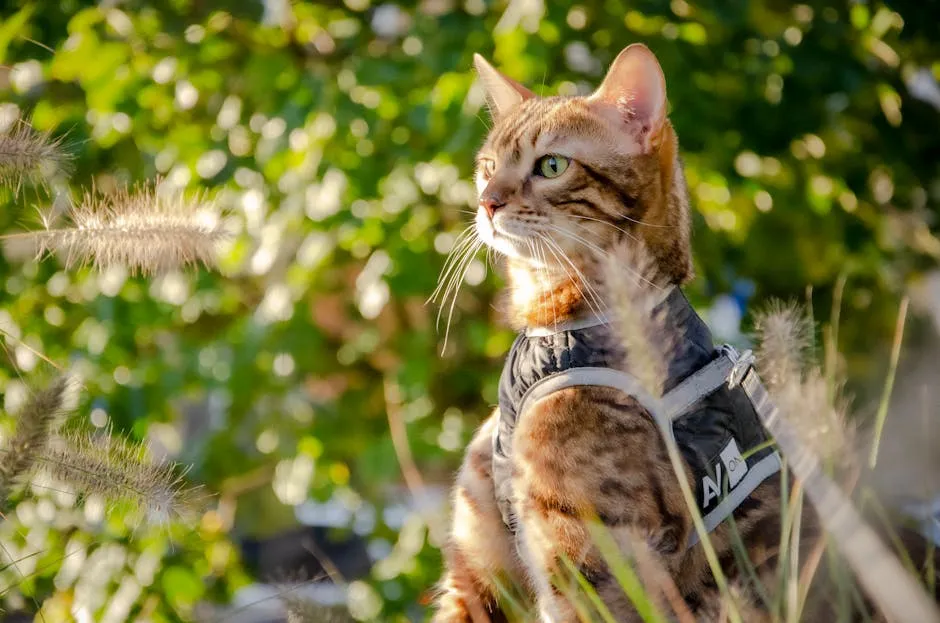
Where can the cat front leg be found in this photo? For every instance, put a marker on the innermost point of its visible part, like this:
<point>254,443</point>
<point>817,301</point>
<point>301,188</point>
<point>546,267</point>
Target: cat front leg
<point>585,454</point>
<point>480,552</point>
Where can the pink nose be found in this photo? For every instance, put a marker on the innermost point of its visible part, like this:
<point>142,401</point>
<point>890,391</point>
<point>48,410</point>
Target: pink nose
<point>491,201</point>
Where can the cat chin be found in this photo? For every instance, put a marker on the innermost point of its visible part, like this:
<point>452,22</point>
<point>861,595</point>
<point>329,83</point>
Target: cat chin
<point>495,240</point>
<point>502,244</point>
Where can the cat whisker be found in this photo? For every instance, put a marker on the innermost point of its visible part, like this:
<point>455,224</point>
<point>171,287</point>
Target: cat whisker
<point>587,283</point>
<point>643,223</point>
<point>464,239</point>
<point>593,301</point>
<point>603,254</point>
<point>540,252</point>
<point>454,283</point>
<point>455,275</point>
<point>603,222</point>
<point>599,251</point>
<point>450,272</point>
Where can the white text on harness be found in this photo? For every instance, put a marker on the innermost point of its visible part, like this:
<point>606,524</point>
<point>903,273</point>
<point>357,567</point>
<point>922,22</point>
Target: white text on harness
<point>734,466</point>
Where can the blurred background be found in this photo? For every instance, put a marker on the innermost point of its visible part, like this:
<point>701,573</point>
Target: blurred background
<point>304,382</point>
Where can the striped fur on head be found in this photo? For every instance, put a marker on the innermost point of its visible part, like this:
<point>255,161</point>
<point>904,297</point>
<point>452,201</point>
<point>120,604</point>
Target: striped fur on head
<point>623,183</point>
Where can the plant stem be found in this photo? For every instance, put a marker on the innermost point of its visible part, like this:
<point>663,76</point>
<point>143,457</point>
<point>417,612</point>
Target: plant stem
<point>882,414</point>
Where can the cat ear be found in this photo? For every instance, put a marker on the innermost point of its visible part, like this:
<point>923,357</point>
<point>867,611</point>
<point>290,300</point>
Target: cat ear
<point>502,93</point>
<point>634,89</point>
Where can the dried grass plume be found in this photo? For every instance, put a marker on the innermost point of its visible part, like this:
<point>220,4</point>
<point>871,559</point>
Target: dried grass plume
<point>812,403</point>
<point>27,155</point>
<point>148,230</point>
<point>630,285</point>
<point>785,338</point>
<point>807,421</point>
<point>117,469</point>
<point>35,424</point>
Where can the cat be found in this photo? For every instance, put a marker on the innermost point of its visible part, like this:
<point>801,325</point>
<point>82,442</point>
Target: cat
<point>563,182</point>
<point>561,179</point>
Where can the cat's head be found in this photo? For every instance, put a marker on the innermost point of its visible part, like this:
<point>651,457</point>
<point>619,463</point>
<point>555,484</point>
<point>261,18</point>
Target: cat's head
<point>562,179</point>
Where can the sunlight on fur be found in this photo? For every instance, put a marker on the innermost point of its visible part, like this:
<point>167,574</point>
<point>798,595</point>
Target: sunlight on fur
<point>579,489</point>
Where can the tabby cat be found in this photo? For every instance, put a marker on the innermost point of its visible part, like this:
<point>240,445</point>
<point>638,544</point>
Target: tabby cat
<point>562,180</point>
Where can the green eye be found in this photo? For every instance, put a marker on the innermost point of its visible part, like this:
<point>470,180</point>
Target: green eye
<point>551,166</point>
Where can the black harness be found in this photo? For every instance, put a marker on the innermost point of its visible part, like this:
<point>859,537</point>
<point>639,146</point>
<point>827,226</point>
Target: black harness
<point>705,408</point>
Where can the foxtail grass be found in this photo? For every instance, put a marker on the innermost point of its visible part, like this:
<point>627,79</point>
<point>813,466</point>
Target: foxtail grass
<point>642,330</point>
<point>785,341</point>
<point>29,156</point>
<point>302,610</point>
<point>35,424</point>
<point>145,230</point>
<point>811,399</point>
<point>809,430</point>
<point>649,342</point>
<point>117,469</point>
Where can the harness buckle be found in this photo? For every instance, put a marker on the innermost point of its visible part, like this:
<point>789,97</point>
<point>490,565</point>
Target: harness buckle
<point>741,363</point>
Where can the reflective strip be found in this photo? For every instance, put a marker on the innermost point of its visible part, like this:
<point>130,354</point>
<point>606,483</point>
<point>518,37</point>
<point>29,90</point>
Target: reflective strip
<point>756,474</point>
<point>755,390</point>
<point>571,325</point>
<point>594,320</point>
<point>696,387</point>
<point>666,410</point>
<point>605,377</point>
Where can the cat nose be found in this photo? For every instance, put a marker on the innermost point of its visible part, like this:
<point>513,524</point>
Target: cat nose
<point>492,200</point>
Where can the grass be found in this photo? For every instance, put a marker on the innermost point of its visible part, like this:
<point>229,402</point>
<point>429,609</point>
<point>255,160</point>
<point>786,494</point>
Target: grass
<point>148,230</point>
<point>144,230</point>
<point>882,415</point>
<point>30,157</point>
<point>855,574</point>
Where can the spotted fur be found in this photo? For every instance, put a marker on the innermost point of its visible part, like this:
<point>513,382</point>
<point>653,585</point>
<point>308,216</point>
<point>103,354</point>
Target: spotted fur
<point>587,452</point>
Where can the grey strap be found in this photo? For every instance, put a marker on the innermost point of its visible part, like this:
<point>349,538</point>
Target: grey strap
<point>571,325</point>
<point>766,467</point>
<point>664,410</point>
<point>755,390</point>
<point>595,319</point>
<point>696,387</point>
<point>605,377</point>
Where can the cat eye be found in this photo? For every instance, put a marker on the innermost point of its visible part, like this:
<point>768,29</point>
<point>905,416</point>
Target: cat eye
<point>551,165</point>
<point>487,167</point>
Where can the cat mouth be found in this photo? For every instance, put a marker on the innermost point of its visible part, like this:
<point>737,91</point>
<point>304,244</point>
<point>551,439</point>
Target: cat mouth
<point>496,236</point>
<point>500,226</point>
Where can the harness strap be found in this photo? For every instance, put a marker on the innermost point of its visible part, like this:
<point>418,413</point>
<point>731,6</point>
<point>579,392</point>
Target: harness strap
<point>728,368</point>
<point>665,410</point>
<point>601,377</point>
<point>594,319</point>
<point>760,471</point>
<point>702,383</point>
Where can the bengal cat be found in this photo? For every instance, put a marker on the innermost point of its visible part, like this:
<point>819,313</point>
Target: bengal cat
<point>580,175</point>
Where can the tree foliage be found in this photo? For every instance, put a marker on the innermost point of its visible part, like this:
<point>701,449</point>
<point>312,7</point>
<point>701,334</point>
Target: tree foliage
<point>338,140</point>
